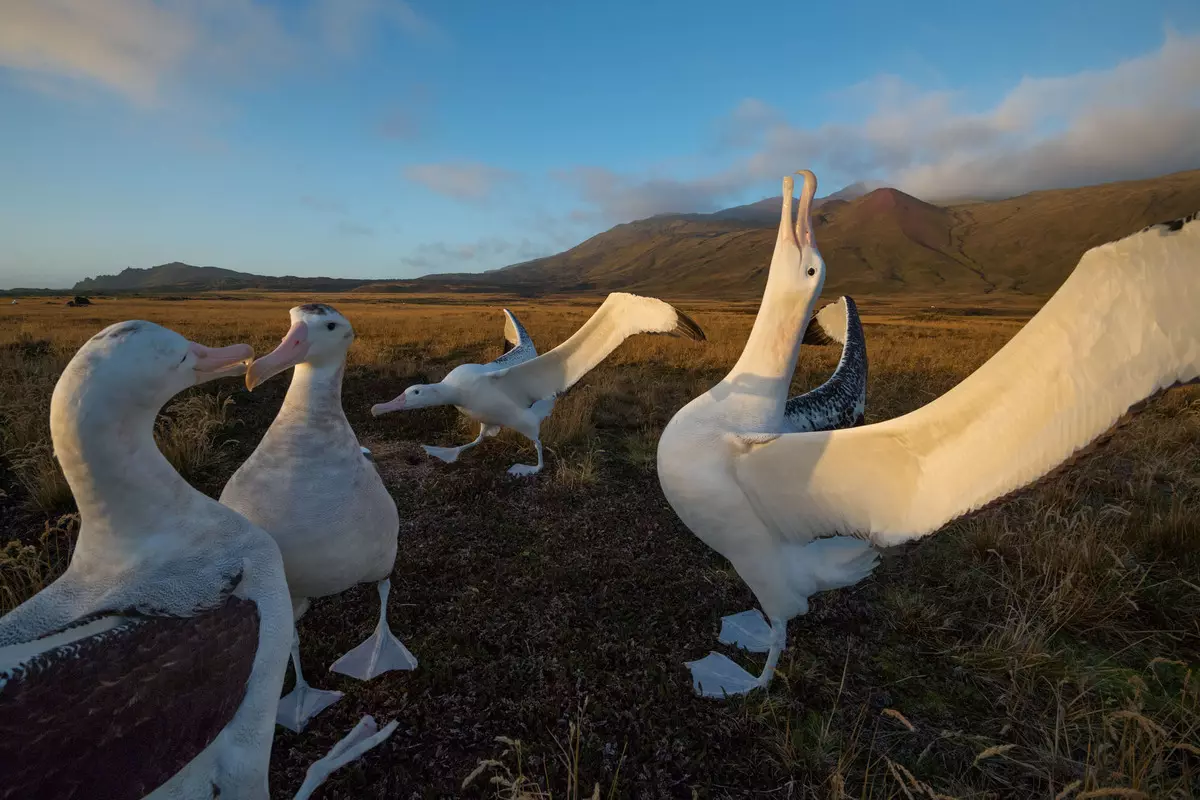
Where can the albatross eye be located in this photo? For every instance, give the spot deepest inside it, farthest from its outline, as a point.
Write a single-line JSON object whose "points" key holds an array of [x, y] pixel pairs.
{"points": [[331, 326], [416, 391], [812, 271]]}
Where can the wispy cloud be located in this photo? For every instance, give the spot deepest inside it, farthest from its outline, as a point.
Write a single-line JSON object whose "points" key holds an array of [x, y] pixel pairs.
{"points": [[467, 181], [486, 253], [141, 49], [619, 197], [1139, 118], [323, 204], [408, 117], [348, 228]]}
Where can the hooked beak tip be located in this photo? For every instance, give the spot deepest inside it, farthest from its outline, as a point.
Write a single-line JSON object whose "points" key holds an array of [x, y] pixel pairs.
{"points": [[379, 409]]}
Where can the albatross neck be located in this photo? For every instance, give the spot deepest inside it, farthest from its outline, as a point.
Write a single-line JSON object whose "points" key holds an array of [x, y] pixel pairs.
{"points": [[762, 376], [315, 393], [121, 481]]}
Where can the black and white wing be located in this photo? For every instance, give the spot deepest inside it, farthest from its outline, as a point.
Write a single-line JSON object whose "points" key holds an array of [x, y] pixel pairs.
{"points": [[518, 347], [841, 401]]}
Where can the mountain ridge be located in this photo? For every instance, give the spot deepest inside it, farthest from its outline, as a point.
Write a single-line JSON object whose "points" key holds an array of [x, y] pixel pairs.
{"points": [[874, 239]]}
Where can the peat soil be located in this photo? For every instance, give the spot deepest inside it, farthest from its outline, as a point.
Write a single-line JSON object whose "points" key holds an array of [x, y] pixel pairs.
{"points": [[524, 599]]}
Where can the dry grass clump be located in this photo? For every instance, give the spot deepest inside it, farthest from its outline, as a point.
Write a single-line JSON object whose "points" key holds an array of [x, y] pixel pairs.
{"points": [[27, 568], [511, 773], [188, 433]]}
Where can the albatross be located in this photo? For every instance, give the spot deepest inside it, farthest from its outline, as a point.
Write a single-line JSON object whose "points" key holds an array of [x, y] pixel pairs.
{"points": [[152, 666], [316, 490], [797, 512], [518, 389]]}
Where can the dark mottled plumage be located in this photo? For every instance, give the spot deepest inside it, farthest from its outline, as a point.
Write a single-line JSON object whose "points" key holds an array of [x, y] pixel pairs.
{"points": [[839, 402], [116, 714], [317, 308], [1174, 224], [116, 333]]}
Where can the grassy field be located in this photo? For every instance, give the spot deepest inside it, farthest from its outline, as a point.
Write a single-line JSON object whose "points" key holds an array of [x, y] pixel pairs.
{"points": [[1045, 648]]}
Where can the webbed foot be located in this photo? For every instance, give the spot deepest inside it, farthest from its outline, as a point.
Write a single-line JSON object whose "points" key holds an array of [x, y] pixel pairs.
{"points": [[748, 630], [380, 653], [303, 703], [447, 454], [365, 735], [718, 676]]}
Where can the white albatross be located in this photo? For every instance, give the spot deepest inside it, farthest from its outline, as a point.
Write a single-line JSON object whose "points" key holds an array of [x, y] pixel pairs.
{"points": [[317, 492], [519, 388], [801, 512], [152, 666]]}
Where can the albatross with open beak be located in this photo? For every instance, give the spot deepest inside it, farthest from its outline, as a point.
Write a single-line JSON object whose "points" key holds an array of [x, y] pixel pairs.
{"points": [[800, 511]]}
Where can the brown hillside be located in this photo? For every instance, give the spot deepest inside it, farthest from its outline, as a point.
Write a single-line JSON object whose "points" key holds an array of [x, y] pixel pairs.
{"points": [[885, 242]]}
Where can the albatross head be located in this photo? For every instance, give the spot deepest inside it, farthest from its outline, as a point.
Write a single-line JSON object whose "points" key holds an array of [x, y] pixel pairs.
{"points": [[143, 364], [319, 336], [796, 261], [420, 395]]}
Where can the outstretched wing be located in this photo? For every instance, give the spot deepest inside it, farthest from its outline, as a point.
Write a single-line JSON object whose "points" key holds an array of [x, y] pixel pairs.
{"points": [[518, 347], [841, 401], [620, 316], [1122, 328], [115, 705]]}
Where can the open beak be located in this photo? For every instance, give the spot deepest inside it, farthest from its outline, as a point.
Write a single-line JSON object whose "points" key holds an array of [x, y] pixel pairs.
{"points": [[220, 362], [290, 352], [384, 408]]}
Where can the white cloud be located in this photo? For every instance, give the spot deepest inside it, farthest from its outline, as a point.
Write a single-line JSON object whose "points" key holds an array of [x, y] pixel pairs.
{"points": [[467, 181], [142, 49], [1138, 118]]}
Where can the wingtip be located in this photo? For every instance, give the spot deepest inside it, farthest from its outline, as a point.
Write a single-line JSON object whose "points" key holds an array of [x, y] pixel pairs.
{"points": [[511, 337], [815, 333], [686, 326]]}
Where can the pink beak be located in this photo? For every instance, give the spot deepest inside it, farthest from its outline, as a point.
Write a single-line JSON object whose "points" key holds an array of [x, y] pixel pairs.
{"points": [[290, 352], [391, 405], [220, 362]]}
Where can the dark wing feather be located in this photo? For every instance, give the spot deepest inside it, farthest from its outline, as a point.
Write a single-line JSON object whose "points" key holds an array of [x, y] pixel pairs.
{"points": [[839, 402], [518, 347], [116, 714]]}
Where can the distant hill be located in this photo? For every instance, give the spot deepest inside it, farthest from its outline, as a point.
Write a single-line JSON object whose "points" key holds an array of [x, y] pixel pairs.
{"points": [[178, 276], [875, 240], [882, 242]]}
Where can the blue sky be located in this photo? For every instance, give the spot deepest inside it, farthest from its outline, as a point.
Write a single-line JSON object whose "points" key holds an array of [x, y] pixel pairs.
{"points": [[382, 139]]}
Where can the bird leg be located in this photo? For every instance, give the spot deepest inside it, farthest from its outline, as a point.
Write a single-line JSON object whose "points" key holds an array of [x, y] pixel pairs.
{"points": [[381, 652], [303, 703], [531, 427], [451, 454], [718, 676], [529, 469], [360, 739]]}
